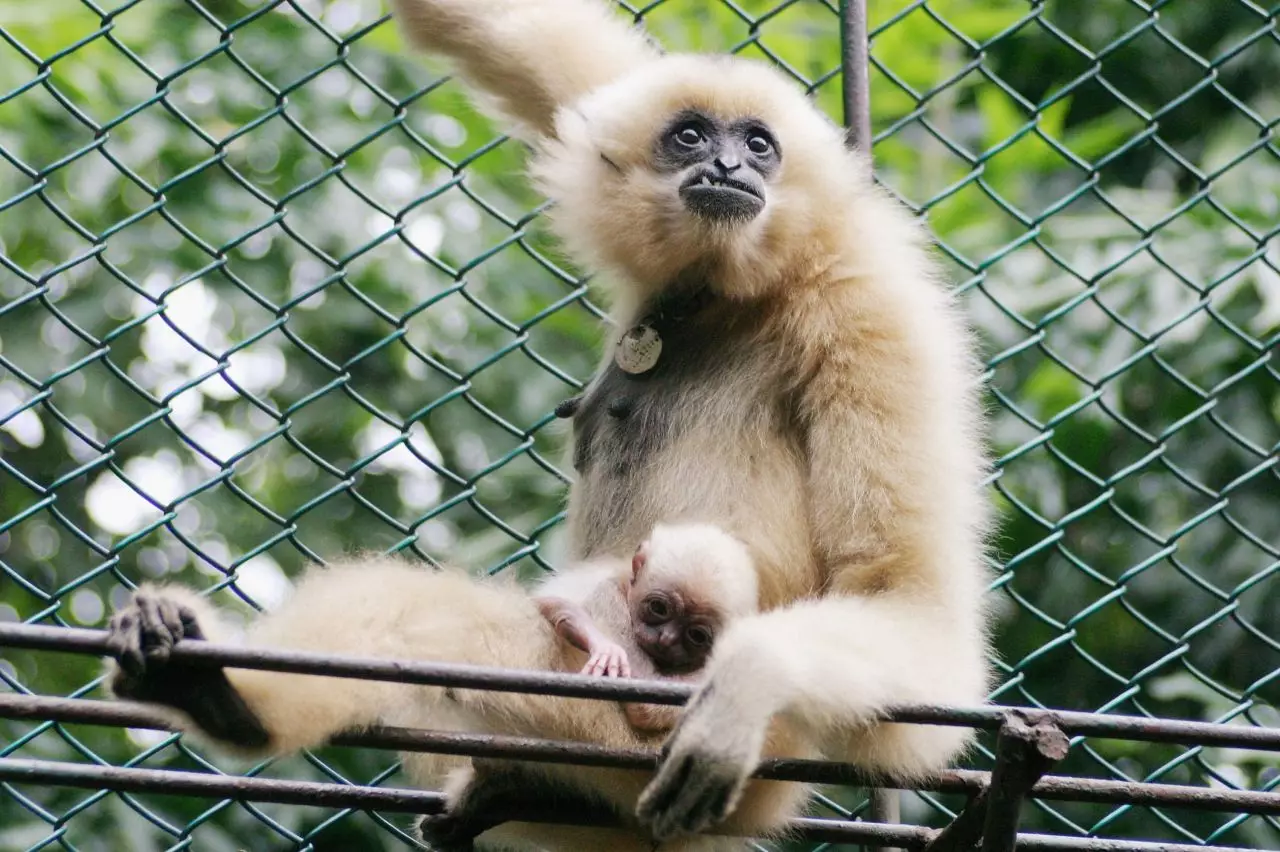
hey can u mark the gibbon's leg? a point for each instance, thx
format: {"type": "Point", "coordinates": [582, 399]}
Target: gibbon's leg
{"type": "Point", "coordinates": [388, 609]}
{"type": "Point", "coordinates": [827, 667]}
{"type": "Point", "coordinates": [377, 607]}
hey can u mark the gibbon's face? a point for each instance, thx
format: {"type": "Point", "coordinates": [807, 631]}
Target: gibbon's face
{"type": "Point", "coordinates": [675, 630]}
{"type": "Point", "coordinates": [723, 166]}
{"type": "Point", "coordinates": [716, 164]}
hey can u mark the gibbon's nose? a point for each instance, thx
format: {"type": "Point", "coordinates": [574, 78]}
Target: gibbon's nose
{"type": "Point", "coordinates": [728, 161]}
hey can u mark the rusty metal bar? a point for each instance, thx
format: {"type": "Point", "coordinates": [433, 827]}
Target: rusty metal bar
{"type": "Point", "coordinates": [183, 783]}
{"type": "Point", "coordinates": [1024, 752]}
{"type": "Point", "coordinates": [961, 781]}
{"type": "Point", "coordinates": [886, 807]}
{"type": "Point", "coordinates": [854, 62]}
{"type": "Point", "coordinates": [83, 641]}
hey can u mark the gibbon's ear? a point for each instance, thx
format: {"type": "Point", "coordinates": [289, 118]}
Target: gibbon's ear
{"type": "Point", "coordinates": [640, 559]}
{"type": "Point", "coordinates": [527, 58]}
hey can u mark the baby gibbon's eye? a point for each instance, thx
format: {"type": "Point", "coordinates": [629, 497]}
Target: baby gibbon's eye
{"type": "Point", "coordinates": [759, 145]}
{"type": "Point", "coordinates": [698, 636]}
{"type": "Point", "coordinates": [689, 135]}
{"type": "Point", "coordinates": [657, 608]}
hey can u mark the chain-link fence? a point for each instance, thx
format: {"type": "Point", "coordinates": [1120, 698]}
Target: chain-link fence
{"type": "Point", "coordinates": [271, 290]}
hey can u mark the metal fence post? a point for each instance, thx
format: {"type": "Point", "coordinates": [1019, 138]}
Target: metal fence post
{"type": "Point", "coordinates": [854, 58]}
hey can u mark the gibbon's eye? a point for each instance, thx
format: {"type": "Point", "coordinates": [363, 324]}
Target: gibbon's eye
{"type": "Point", "coordinates": [689, 136]}
{"type": "Point", "coordinates": [698, 636]}
{"type": "Point", "coordinates": [657, 608]}
{"type": "Point", "coordinates": [759, 145]}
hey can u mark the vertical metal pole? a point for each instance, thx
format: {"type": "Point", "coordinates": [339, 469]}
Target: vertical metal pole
{"type": "Point", "coordinates": [886, 806]}
{"type": "Point", "coordinates": [854, 62]}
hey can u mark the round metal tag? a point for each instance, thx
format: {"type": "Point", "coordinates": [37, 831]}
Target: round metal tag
{"type": "Point", "coordinates": [638, 350]}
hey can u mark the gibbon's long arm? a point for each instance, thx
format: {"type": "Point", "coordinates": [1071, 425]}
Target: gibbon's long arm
{"type": "Point", "coordinates": [530, 57]}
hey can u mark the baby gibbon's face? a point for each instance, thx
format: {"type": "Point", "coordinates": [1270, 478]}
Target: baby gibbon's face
{"type": "Point", "coordinates": [723, 167]}
{"type": "Point", "coordinates": [671, 626]}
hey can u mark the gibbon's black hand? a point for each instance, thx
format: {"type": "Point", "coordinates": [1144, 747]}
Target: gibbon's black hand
{"type": "Point", "coordinates": [142, 634]}
{"type": "Point", "coordinates": [706, 764]}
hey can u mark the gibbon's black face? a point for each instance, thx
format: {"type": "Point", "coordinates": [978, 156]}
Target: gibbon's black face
{"type": "Point", "coordinates": [674, 632]}
{"type": "Point", "coordinates": [724, 166]}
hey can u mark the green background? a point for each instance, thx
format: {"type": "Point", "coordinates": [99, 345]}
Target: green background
{"type": "Point", "coordinates": [271, 290]}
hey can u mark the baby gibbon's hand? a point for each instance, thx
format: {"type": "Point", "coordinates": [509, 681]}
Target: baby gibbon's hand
{"type": "Point", "coordinates": [706, 762]}
{"type": "Point", "coordinates": [608, 660]}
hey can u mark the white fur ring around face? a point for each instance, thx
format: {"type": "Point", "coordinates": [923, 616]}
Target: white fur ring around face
{"type": "Point", "coordinates": [638, 350]}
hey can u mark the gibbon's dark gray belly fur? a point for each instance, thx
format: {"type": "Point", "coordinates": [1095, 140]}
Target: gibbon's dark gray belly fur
{"type": "Point", "coordinates": [623, 422]}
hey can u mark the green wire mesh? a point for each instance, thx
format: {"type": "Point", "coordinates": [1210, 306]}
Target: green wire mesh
{"type": "Point", "coordinates": [271, 291]}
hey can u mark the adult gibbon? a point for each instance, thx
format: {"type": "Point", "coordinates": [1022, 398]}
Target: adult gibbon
{"type": "Point", "coordinates": [791, 371]}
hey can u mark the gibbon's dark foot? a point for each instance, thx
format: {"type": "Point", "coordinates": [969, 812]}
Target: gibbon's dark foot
{"type": "Point", "coordinates": [142, 635]}
{"type": "Point", "coordinates": [448, 832]}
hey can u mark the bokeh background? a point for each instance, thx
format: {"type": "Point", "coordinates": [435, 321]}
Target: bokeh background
{"type": "Point", "coordinates": [271, 290]}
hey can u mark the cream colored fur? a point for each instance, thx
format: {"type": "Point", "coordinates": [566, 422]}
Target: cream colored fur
{"type": "Point", "coordinates": [841, 445]}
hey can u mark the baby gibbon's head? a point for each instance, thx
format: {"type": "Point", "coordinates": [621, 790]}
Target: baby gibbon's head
{"type": "Point", "coordinates": [688, 581]}
{"type": "Point", "coordinates": [711, 164]}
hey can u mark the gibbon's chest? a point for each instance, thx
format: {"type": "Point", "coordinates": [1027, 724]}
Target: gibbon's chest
{"type": "Point", "coordinates": [711, 373]}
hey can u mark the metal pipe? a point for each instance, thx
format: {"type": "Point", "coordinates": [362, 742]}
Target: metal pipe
{"type": "Point", "coordinates": [886, 806]}
{"type": "Point", "coordinates": [1024, 753]}
{"type": "Point", "coordinates": [173, 782]}
{"type": "Point", "coordinates": [854, 61]}
{"type": "Point", "coordinates": [82, 641]}
{"type": "Point", "coordinates": [962, 781]}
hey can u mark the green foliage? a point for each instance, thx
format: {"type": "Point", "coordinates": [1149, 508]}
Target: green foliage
{"type": "Point", "coordinates": [272, 290]}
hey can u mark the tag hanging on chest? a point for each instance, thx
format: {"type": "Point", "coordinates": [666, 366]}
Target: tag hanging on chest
{"type": "Point", "coordinates": [638, 350]}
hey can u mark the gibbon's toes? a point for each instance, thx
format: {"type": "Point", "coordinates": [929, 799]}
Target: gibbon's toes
{"type": "Point", "coordinates": [145, 631]}
{"type": "Point", "coordinates": [658, 805]}
{"type": "Point", "coordinates": [160, 626]}
{"type": "Point", "coordinates": [125, 640]}
{"type": "Point", "coordinates": [142, 634]}
{"type": "Point", "coordinates": [445, 833]}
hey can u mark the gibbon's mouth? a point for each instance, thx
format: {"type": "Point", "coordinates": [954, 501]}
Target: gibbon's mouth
{"type": "Point", "coordinates": [722, 198]}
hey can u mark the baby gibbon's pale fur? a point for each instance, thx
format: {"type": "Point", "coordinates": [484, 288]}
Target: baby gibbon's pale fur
{"type": "Point", "coordinates": [833, 427]}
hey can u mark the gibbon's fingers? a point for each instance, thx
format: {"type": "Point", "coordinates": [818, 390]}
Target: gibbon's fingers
{"type": "Point", "coordinates": [706, 764]}
{"type": "Point", "coordinates": [530, 57]}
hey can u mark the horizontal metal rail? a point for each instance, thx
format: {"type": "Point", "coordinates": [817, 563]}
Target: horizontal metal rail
{"type": "Point", "coordinates": [391, 799]}
{"type": "Point", "coordinates": [83, 641]}
{"type": "Point", "coordinates": [961, 781]}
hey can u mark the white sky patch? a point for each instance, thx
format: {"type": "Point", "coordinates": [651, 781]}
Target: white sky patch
{"type": "Point", "coordinates": [115, 507]}
{"type": "Point", "coordinates": [216, 438]}
{"type": "Point", "coordinates": [426, 233]}
{"type": "Point", "coordinates": [418, 485]}
{"type": "Point", "coordinates": [262, 579]}
{"type": "Point", "coordinates": [169, 360]}
{"type": "Point", "coordinates": [87, 606]}
{"type": "Point", "coordinates": [376, 224]}
{"type": "Point", "coordinates": [26, 427]}
{"type": "Point", "coordinates": [463, 216]}
{"type": "Point", "coordinates": [160, 475]}
{"type": "Point", "coordinates": [446, 130]}
{"type": "Point", "coordinates": [257, 370]}
{"type": "Point", "coordinates": [397, 184]}
{"type": "Point", "coordinates": [146, 738]}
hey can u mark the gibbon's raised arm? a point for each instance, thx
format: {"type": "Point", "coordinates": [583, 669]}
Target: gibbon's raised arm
{"type": "Point", "coordinates": [529, 58]}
